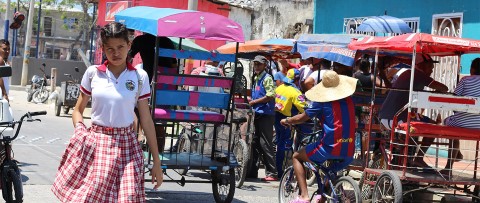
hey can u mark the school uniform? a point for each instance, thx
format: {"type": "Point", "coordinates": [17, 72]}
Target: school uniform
{"type": "Point", "coordinates": [104, 163]}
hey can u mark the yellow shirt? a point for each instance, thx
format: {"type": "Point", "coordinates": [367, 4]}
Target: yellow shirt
{"type": "Point", "coordinates": [287, 96]}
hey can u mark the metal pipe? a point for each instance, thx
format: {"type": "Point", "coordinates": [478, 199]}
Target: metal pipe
{"type": "Point", "coordinates": [7, 22]}
{"type": "Point", "coordinates": [14, 40]}
{"type": "Point", "coordinates": [91, 34]}
{"type": "Point", "coordinates": [38, 28]}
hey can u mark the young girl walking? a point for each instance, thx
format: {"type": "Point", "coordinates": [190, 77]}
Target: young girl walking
{"type": "Point", "coordinates": [104, 163]}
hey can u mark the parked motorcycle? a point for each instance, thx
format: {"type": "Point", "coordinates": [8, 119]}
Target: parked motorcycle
{"type": "Point", "coordinates": [38, 91]}
{"type": "Point", "coordinates": [69, 93]}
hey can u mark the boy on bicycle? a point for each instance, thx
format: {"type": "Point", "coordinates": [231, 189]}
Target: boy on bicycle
{"type": "Point", "coordinates": [289, 101]}
{"type": "Point", "coordinates": [331, 103]}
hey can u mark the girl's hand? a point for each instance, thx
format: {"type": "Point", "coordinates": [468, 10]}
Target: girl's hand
{"type": "Point", "coordinates": [157, 175]}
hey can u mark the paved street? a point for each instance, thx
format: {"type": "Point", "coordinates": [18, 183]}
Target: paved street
{"type": "Point", "coordinates": [40, 145]}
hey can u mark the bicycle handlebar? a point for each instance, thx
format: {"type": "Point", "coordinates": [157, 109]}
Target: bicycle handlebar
{"type": "Point", "coordinates": [19, 122]}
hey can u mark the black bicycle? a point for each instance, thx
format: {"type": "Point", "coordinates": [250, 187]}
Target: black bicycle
{"type": "Point", "coordinates": [331, 186]}
{"type": "Point", "coordinates": [11, 177]}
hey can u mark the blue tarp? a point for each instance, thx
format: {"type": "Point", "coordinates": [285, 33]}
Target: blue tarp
{"type": "Point", "coordinates": [332, 47]}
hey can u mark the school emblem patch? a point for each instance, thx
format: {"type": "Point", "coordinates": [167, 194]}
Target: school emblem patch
{"type": "Point", "coordinates": [130, 85]}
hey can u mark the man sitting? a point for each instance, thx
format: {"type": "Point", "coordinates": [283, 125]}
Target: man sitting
{"type": "Point", "coordinates": [332, 104]}
{"type": "Point", "coordinates": [468, 86]}
{"type": "Point", "coordinates": [397, 99]}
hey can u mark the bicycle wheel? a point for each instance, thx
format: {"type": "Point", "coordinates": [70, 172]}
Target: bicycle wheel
{"type": "Point", "coordinates": [183, 147]}
{"type": "Point", "coordinates": [346, 190]}
{"type": "Point", "coordinates": [11, 177]}
{"type": "Point", "coordinates": [241, 153]}
{"type": "Point", "coordinates": [388, 188]}
{"type": "Point", "coordinates": [223, 185]}
{"type": "Point", "coordinates": [40, 96]}
{"type": "Point", "coordinates": [288, 189]}
{"type": "Point", "coordinates": [377, 162]}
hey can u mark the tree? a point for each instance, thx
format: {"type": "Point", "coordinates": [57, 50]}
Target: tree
{"type": "Point", "coordinates": [83, 26]}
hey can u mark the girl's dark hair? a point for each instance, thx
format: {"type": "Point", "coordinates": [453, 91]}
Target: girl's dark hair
{"type": "Point", "coordinates": [475, 67]}
{"type": "Point", "coordinates": [114, 30]}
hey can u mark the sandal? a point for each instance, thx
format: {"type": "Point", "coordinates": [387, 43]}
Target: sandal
{"type": "Point", "coordinates": [318, 199]}
{"type": "Point", "coordinates": [299, 200]}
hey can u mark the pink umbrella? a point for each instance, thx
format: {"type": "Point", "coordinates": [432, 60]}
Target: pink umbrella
{"type": "Point", "coordinates": [168, 22]}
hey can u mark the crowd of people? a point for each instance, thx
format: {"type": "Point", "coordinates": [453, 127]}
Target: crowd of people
{"type": "Point", "coordinates": [292, 95]}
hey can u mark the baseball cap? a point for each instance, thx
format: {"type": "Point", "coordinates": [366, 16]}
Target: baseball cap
{"type": "Point", "coordinates": [291, 75]}
{"type": "Point", "coordinates": [425, 58]}
{"type": "Point", "coordinates": [260, 59]}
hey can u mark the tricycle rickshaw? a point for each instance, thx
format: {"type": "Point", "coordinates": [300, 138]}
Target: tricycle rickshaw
{"type": "Point", "coordinates": [171, 105]}
{"type": "Point", "coordinates": [388, 177]}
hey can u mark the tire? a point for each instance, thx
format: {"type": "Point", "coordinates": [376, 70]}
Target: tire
{"type": "Point", "coordinates": [183, 147]}
{"type": "Point", "coordinates": [11, 181]}
{"type": "Point", "coordinates": [30, 94]}
{"type": "Point", "coordinates": [377, 162]}
{"type": "Point", "coordinates": [221, 183]}
{"type": "Point", "coordinates": [241, 153]}
{"type": "Point", "coordinates": [66, 109]}
{"type": "Point", "coordinates": [58, 107]}
{"type": "Point", "coordinates": [388, 188]}
{"type": "Point", "coordinates": [288, 189]}
{"type": "Point", "coordinates": [40, 96]}
{"type": "Point", "coordinates": [346, 190]}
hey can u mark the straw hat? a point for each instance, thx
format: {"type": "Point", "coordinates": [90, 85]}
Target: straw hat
{"type": "Point", "coordinates": [333, 87]}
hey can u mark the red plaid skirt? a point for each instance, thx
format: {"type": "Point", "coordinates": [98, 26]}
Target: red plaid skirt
{"type": "Point", "coordinates": [101, 164]}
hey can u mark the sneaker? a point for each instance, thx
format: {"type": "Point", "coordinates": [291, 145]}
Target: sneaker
{"type": "Point", "coordinates": [269, 178]}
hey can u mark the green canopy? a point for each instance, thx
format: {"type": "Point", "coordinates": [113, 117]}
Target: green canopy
{"type": "Point", "coordinates": [187, 44]}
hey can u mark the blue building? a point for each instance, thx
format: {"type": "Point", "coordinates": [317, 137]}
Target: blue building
{"type": "Point", "coordinates": [458, 18]}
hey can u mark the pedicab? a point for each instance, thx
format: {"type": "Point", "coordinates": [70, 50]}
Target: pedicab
{"type": "Point", "coordinates": [279, 48]}
{"type": "Point", "coordinates": [397, 179]}
{"type": "Point", "coordinates": [170, 105]}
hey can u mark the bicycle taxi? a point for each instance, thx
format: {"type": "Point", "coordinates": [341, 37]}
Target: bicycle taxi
{"type": "Point", "coordinates": [388, 176]}
{"type": "Point", "coordinates": [170, 104]}
{"type": "Point", "coordinates": [278, 48]}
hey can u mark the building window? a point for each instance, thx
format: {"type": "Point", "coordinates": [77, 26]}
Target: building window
{"type": "Point", "coordinates": [47, 26]}
{"type": "Point", "coordinates": [351, 24]}
{"type": "Point", "coordinates": [70, 23]}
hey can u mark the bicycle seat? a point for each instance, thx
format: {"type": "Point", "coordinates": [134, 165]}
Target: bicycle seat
{"type": "Point", "coordinates": [239, 120]}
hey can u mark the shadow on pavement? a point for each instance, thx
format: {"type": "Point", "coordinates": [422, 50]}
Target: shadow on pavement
{"type": "Point", "coordinates": [170, 196]}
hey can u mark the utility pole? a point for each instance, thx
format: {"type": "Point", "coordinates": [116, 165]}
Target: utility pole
{"type": "Point", "coordinates": [192, 5]}
{"type": "Point", "coordinates": [7, 21]}
{"type": "Point", "coordinates": [28, 40]}
{"type": "Point", "coordinates": [38, 28]}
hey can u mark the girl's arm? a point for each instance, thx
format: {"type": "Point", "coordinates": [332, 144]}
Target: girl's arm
{"type": "Point", "coordinates": [77, 115]}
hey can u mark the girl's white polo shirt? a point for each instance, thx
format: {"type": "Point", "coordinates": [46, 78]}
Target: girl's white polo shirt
{"type": "Point", "coordinates": [113, 99]}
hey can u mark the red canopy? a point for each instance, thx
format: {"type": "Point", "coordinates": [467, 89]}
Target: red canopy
{"type": "Point", "coordinates": [426, 43]}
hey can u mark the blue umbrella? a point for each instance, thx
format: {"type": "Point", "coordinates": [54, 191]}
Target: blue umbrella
{"type": "Point", "coordinates": [332, 47]}
{"type": "Point", "coordinates": [384, 24]}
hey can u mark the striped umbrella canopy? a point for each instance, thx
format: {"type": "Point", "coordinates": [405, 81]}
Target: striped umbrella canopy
{"type": "Point", "coordinates": [332, 47]}
{"type": "Point", "coordinates": [259, 45]}
{"type": "Point", "coordinates": [434, 45]}
{"type": "Point", "coordinates": [384, 24]}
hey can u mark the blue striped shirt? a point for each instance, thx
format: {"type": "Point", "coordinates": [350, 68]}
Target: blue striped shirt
{"type": "Point", "coordinates": [468, 86]}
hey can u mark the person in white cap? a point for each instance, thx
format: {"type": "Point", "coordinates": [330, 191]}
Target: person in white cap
{"type": "Point", "coordinates": [332, 103]}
